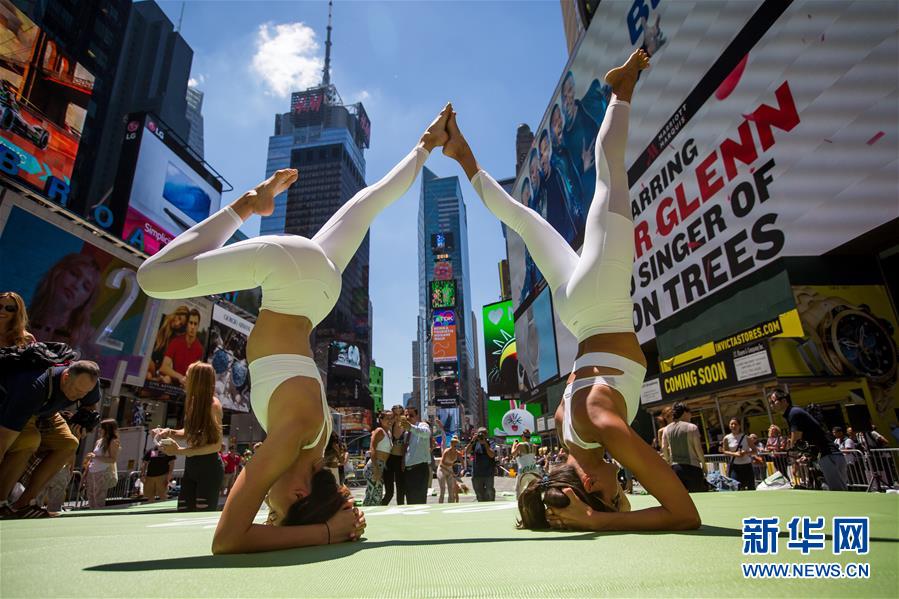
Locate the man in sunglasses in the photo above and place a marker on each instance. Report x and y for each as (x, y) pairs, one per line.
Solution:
(804, 427)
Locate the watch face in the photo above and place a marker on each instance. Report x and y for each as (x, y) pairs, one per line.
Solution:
(863, 345)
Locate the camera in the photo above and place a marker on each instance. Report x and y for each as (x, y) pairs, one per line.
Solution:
(83, 417)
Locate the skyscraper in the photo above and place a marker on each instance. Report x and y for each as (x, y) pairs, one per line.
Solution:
(445, 325)
(152, 76)
(324, 140)
(195, 120)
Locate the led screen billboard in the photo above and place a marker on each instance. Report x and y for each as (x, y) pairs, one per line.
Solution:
(44, 96)
(443, 343)
(443, 294)
(739, 150)
(443, 271)
(441, 243)
(510, 418)
(442, 318)
(345, 355)
(167, 194)
(227, 352)
(536, 343)
(74, 291)
(500, 350)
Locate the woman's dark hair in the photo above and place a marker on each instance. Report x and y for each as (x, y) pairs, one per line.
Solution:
(679, 409)
(109, 429)
(325, 498)
(548, 491)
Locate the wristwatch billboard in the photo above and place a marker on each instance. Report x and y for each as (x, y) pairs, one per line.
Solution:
(848, 340)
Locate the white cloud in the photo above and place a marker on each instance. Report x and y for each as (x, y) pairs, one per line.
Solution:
(286, 57)
(360, 96)
(196, 81)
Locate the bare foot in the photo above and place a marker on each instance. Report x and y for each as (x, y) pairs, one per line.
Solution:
(262, 197)
(456, 147)
(622, 79)
(436, 134)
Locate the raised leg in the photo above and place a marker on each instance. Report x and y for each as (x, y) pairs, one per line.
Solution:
(551, 253)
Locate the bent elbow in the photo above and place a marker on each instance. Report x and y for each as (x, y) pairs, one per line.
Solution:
(223, 546)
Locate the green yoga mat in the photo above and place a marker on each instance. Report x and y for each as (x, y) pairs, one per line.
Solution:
(459, 550)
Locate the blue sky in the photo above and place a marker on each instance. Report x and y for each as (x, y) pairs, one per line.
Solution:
(497, 61)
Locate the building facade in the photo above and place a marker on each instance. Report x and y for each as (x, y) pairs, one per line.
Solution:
(195, 121)
(446, 338)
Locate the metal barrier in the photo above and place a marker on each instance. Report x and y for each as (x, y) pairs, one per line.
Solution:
(877, 468)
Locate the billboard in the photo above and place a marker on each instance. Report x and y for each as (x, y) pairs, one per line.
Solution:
(443, 294)
(443, 271)
(443, 343)
(443, 318)
(227, 352)
(306, 105)
(344, 355)
(75, 292)
(507, 418)
(442, 243)
(500, 350)
(44, 97)
(354, 418)
(448, 422)
(180, 333)
(166, 194)
(536, 342)
(739, 151)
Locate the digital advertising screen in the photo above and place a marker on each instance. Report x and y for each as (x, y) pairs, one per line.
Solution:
(353, 418)
(500, 351)
(443, 294)
(306, 106)
(167, 195)
(536, 343)
(510, 418)
(740, 150)
(449, 423)
(442, 243)
(443, 318)
(74, 291)
(443, 343)
(227, 352)
(345, 355)
(443, 271)
(44, 96)
(446, 387)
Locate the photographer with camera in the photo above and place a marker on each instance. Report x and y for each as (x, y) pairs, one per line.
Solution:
(484, 467)
(32, 402)
(808, 436)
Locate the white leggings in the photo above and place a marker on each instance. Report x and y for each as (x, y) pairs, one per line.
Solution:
(298, 276)
(591, 291)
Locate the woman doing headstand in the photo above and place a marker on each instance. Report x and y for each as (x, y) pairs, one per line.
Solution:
(592, 295)
(300, 280)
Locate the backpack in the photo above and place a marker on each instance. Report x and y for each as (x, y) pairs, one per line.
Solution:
(37, 356)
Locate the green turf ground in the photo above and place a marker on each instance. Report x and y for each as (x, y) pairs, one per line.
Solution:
(467, 550)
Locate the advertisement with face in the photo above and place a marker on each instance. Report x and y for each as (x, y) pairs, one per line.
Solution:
(739, 151)
(75, 292)
(511, 418)
(168, 195)
(37, 81)
(500, 350)
(227, 352)
(536, 343)
(181, 334)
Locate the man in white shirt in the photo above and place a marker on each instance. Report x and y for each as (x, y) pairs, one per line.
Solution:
(418, 457)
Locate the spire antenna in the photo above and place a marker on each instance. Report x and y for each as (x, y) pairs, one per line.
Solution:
(326, 72)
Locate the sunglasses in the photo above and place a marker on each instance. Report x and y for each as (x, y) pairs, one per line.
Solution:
(12, 308)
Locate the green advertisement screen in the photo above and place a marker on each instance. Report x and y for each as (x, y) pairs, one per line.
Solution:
(510, 418)
(499, 349)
